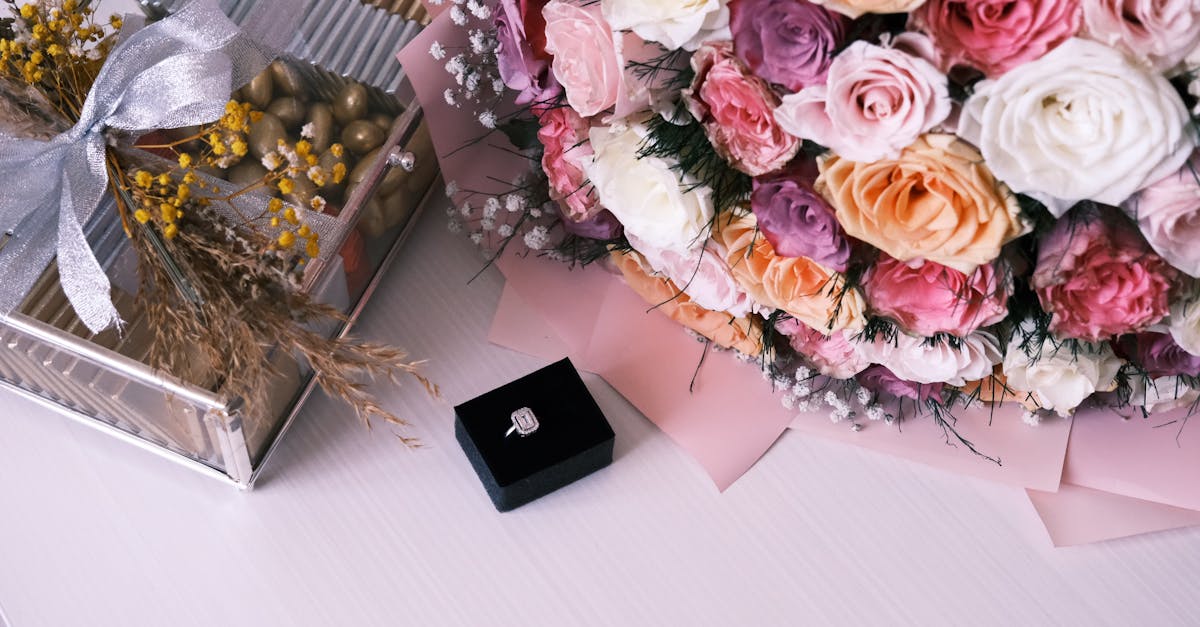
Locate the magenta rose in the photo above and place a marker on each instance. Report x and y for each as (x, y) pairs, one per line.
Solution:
(564, 137)
(876, 102)
(1098, 278)
(586, 60)
(798, 222)
(788, 42)
(737, 111)
(1168, 213)
(524, 65)
(994, 36)
(931, 298)
(1158, 32)
(1160, 356)
(833, 355)
(883, 381)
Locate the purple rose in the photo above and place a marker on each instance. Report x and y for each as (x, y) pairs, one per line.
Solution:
(798, 223)
(881, 380)
(1162, 357)
(789, 42)
(602, 226)
(524, 65)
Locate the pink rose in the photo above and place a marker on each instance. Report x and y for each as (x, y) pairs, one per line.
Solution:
(1158, 32)
(702, 273)
(1168, 213)
(931, 298)
(586, 62)
(832, 355)
(737, 111)
(994, 36)
(875, 102)
(564, 136)
(1098, 278)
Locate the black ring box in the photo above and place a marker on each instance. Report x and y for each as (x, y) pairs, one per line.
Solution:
(573, 438)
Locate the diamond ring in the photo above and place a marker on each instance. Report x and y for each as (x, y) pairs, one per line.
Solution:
(524, 422)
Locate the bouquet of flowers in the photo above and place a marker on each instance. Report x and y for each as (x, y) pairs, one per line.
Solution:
(896, 207)
(102, 120)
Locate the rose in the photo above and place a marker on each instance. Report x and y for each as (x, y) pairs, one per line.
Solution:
(673, 23)
(743, 334)
(523, 64)
(1184, 322)
(875, 102)
(1160, 356)
(937, 202)
(602, 226)
(855, 8)
(737, 111)
(586, 61)
(996, 36)
(1083, 122)
(883, 381)
(1097, 278)
(921, 360)
(645, 193)
(931, 298)
(834, 355)
(797, 221)
(1168, 214)
(1059, 375)
(702, 274)
(1159, 33)
(789, 42)
(805, 289)
(565, 152)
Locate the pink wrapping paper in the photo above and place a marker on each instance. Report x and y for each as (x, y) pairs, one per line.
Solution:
(1077, 515)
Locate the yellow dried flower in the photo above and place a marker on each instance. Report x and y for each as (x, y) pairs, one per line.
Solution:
(168, 212)
(304, 231)
(142, 216)
(290, 215)
(239, 148)
(56, 50)
(163, 179)
(37, 57)
(287, 186)
(190, 177)
(255, 116)
(219, 149)
(184, 192)
(312, 249)
(275, 205)
(70, 5)
(339, 173)
(185, 160)
(275, 221)
(337, 149)
(28, 11)
(287, 239)
(143, 179)
(116, 21)
(311, 159)
(171, 231)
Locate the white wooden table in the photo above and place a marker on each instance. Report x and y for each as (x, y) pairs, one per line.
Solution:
(348, 527)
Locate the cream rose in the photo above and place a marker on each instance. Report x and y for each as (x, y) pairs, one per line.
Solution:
(645, 194)
(918, 360)
(1082, 122)
(673, 23)
(1055, 375)
(1184, 321)
(1159, 33)
(855, 8)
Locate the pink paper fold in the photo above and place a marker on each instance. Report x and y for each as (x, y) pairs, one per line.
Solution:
(1078, 515)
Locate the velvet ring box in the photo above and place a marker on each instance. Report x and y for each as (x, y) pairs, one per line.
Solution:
(571, 441)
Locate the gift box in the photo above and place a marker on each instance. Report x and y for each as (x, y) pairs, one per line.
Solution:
(104, 380)
(533, 436)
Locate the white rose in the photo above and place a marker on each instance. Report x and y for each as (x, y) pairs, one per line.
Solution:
(1058, 377)
(1082, 122)
(1184, 321)
(645, 194)
(1163, 394)
(702, 274)
(673, 23)
(916, 359)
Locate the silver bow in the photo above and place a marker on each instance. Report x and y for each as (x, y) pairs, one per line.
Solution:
(173, 73)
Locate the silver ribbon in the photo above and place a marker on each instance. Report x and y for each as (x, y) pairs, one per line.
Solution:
(176, 72)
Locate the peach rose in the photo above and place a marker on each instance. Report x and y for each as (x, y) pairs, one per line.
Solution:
(805, 289)
(743, 334)
(937, 201)
(855, 8)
